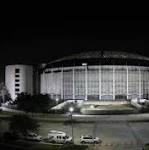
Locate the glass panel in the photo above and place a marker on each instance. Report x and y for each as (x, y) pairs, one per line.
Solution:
(93, 84)
(79, 84)
(106, 83)
(68, 84)
(120, 83)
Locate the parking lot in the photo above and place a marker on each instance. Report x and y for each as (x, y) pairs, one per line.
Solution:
(111, 133)
(115, 135)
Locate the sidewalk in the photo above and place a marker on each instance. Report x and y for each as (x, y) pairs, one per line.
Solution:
(79, 117)
(126, 117)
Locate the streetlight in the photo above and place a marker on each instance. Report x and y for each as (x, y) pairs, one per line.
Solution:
(56, 100)
(71, 109)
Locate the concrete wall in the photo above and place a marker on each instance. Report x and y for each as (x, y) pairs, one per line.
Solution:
(24, 79)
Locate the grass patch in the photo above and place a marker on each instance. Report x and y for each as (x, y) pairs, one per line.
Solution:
(146, 146)
(67, 122)
(145, 120)
(21, 145)
(5, 113)
(74, 147)
(45, 147)
(58, 147)
(53, 120)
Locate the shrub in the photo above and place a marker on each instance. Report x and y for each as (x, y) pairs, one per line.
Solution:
(23, 124)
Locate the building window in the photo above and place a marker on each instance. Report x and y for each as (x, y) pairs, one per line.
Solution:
(17, 70)
(17, 90)
(17, 80)
(17, 75)
(17, 84)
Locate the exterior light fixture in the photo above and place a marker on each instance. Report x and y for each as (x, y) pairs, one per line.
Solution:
(71, 109)
(56, 100)
(84, 64)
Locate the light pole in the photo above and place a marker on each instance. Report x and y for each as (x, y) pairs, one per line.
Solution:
(71, 109)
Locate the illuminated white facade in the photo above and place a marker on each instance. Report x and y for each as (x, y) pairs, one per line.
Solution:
(97, 81)
(19, 78)
(96, 75)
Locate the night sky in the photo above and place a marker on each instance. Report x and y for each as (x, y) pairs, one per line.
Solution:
(42, 41)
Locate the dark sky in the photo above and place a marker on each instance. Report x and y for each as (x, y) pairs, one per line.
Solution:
(42, 41)
(36, 42)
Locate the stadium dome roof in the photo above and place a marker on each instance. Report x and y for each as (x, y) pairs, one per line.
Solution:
(101, 55)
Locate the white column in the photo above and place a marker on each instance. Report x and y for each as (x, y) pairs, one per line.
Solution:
(86, 86)
(140, 83)
(73, 84)
(113, 82)
(43, 79)
(100, 82)
(127, 83)
(52, 84)
(62, 96)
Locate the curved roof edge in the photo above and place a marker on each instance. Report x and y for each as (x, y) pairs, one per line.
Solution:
(102, 54)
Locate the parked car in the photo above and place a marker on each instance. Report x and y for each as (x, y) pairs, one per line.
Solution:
(90, 139)
(59, 137)
(33, 137)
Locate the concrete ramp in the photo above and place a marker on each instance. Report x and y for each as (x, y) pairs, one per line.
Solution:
(62, 105)
(106, 107)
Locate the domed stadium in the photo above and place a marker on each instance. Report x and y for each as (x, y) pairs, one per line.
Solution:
(97, 75)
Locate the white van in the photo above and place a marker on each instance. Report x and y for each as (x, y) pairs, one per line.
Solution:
(59, 137)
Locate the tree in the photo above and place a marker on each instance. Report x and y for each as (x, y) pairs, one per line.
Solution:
(41, 103)
(24, 102)
(35, 103)
(23, 124)
(4, 93)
